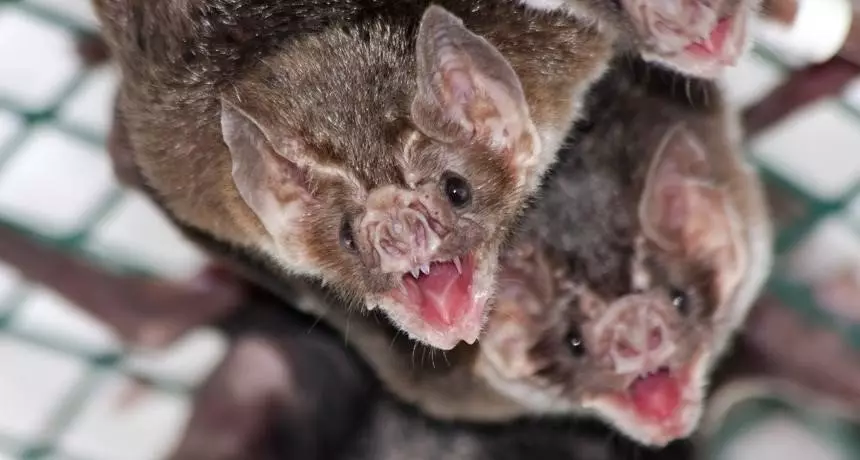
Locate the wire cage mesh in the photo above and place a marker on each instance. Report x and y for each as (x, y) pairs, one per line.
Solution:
(56, 184)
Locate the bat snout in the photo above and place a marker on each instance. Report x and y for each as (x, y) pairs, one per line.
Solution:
(401, 234)
(404, 241)
(637, 336)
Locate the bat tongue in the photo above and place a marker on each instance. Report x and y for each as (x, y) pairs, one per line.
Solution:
(716, 41)
(656, 396)
(446, 293)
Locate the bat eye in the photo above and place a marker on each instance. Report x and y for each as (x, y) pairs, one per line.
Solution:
(575, 342)
(679, 300)
(347, 238)
(457, 190)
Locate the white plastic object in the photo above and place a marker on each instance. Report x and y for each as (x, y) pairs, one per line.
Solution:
(818, 33)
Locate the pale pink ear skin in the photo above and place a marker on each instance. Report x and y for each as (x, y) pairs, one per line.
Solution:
(678, 171)
(253, 160)
(685, 211)
(505, 348)
(467, 91)
(270, 174)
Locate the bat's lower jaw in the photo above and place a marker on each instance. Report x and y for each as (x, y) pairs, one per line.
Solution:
(442, 306)
(656, 409)
(467, 330)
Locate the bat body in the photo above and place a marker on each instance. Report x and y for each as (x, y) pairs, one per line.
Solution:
(383, 148)
(694, 37)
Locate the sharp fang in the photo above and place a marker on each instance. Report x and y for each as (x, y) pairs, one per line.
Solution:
(456, 261)
(402, 288)
(425, 269)
(372, 306)
(415, 273)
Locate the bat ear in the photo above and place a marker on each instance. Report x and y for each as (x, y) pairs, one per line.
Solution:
(232, 410)
(508, 339)
(270, 171)
(683, 210)
(468, 92)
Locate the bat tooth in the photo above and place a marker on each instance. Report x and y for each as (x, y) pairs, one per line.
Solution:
(456, 261)
(425, 269)
(402, 288)
(415, 273)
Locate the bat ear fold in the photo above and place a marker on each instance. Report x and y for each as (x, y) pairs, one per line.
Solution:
(684, 210)
(506, 343)
(468, 92)
(271, 172)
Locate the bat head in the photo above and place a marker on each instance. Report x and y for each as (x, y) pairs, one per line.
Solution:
(696, 37)
(389, 170)
(636, 352)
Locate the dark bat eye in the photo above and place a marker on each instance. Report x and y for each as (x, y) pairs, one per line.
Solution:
(347, 238)
(575, 342)
(457, 190)
(679, 300)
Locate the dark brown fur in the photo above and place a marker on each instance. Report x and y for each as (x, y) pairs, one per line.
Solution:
(171, 79)
(337, 79)
(588, 220)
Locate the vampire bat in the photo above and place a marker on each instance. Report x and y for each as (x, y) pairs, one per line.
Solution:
(694, 37)
(381, 147)
(658, 240)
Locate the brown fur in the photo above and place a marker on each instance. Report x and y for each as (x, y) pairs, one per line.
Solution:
(337, 81)
(169, 99)
(450, 389)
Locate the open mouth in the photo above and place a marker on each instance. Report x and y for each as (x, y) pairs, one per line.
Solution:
(440, 291)
(657, 407)
(656, 396)
(714, 43)
(723, 44)
(659, 399)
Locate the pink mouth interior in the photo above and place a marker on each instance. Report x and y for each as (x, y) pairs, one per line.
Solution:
(656, 396)
(443, 296)
(717, 40)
